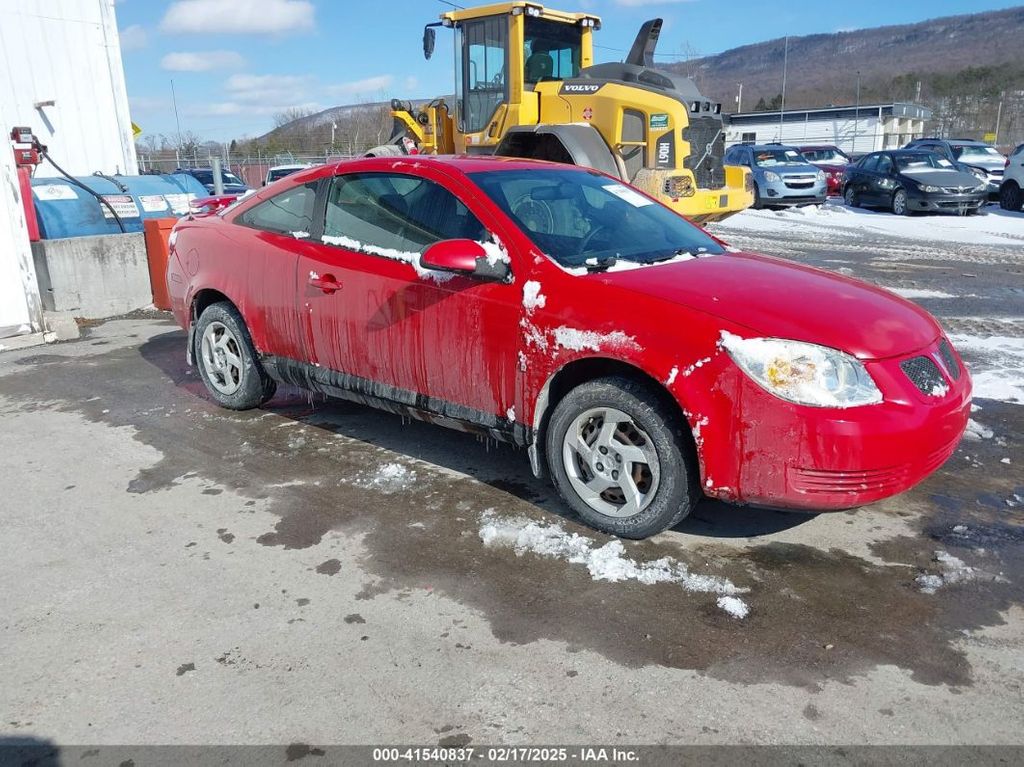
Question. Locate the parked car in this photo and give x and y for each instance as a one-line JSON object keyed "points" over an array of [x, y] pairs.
{"points": [[782, 176], [907, 181], [982, 159], [1011, 191], [281, 171], [832, 160], [504, 297], [232, 183]]}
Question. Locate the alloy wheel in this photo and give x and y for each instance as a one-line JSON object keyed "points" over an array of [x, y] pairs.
{"points": [[611, 462], [222, 358]]}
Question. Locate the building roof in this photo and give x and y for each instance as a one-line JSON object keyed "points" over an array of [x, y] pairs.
{"points": [[897, 109]]}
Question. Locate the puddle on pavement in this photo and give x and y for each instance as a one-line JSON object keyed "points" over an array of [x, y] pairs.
{"points": [[815, 615]]}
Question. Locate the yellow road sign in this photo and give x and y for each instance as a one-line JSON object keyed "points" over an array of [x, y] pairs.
{"points": [[136, 130]]}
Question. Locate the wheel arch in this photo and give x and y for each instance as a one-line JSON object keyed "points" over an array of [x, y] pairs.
{"points": [[571, 144], [580, 371], [201, 299]]}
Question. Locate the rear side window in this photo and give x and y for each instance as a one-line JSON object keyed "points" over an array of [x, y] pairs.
{"points": [[392, 214], [870, 162], [286, 213]]}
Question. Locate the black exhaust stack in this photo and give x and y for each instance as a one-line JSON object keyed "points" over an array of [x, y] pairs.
{"points": [[642, 52]]}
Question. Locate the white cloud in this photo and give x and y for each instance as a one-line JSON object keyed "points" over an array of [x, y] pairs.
{"points": [[366, 87], [638, 3], [411, 83], [201, 61], [232, 108], [254, 17], [133, 37], [268, 89]]}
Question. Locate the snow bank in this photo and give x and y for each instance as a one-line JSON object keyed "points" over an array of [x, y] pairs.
{"points": [[997, 365], [604, 563], [919, 293], [735, 606], [976, 431], [388, 478], [951, 570]]}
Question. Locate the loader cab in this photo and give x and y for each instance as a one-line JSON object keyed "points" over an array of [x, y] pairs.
{"points": [[504, 51]]}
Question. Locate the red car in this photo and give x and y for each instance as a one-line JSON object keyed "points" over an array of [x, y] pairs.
{"points": [[830, 159], [642, 362]]}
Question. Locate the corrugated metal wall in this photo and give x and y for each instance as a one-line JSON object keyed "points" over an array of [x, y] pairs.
{"points": [[67, 51]]}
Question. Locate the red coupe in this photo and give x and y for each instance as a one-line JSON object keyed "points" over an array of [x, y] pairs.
{"points": [[832, 160], [642, 362]]}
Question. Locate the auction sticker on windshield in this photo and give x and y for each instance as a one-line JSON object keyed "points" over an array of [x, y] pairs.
{"points": [[635, 199]]}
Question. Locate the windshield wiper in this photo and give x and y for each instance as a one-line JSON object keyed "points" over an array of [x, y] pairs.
{"points": [[600, 264]]}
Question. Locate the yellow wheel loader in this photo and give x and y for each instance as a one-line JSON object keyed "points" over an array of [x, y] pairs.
{"points": [[527, 86]]}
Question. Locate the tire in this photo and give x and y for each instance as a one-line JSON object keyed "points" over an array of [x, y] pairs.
{"points": [[1010, 197], [899, 204], [665, 481], [227, 360], [850, 197], [385, 150], [758, 202]]}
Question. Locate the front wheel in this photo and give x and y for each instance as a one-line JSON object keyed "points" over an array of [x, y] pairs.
{"points": [[850, 197], [899, 203], [227, 360], [621, 459]]}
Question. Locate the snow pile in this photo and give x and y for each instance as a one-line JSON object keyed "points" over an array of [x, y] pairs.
{"points": [[919, 293], [976, 431], [532, 297], [737, 608], [951, 570], [604, 563], [495, 251], [997, 365], [300, 235], [389, 478], [408, 257], [578, 340]]}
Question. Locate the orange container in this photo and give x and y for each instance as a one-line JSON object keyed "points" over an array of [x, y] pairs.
{"points": [[158, 250]]}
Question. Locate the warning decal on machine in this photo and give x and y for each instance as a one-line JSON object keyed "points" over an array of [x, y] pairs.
{"points": [[123, 204], [54, 192], [153, 203], [179, 202]]}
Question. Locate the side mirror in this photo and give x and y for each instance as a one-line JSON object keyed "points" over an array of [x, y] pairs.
{"points": [[463, 257], [429, 37]]}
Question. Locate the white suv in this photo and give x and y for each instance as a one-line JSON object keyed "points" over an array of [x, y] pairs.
{"points": [[1011, 191]]}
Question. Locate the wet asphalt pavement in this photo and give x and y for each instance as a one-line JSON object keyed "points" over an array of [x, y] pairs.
{"points": [[177, 573]]}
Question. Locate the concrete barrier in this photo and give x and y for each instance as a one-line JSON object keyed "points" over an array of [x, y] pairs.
{"points": [[93, 277]]}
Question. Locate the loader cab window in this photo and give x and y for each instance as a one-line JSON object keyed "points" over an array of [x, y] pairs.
{"points": [[483, 86], [552, 50]]}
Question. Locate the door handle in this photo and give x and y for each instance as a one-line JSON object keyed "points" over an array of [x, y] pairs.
{"points": [[328, 284]]}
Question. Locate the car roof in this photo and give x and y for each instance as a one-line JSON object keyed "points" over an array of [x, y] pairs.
{"points": [[773, 146], [461, 162]]}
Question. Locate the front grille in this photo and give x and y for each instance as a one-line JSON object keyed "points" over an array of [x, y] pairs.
{"points": [[923, 373], [952, 367], [799, 184], [702, 132], [957, 189]]}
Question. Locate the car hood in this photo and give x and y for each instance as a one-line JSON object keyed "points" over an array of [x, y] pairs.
{"points": [[777, 298], [830, 167], [943, 178], [790, 170]]}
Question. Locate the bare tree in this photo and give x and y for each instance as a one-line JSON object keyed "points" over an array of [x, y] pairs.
{"points": [[289, 115]]}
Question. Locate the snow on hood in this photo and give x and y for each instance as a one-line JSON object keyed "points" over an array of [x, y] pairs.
{"points": [[776, 298]]}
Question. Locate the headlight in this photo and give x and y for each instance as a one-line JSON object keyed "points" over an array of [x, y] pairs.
{"points": [[979, 173], [929, 188], [821, 175], [981, 188], [806, 374], [771, 177]]}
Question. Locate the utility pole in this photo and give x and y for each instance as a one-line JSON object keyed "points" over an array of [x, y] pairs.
{"points": [[739, 98], [785, 66], [856, 119], [177, 122], [334, 127], [999, 116]]}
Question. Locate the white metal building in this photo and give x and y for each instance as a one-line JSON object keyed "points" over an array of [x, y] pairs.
{"points": [[63, 77], [854, 129]]}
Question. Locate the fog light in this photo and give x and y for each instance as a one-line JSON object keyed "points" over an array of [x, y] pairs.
{"points": [[679, 186]]}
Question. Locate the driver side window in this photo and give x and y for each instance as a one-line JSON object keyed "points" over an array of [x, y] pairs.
{"points": [[885, 164]]}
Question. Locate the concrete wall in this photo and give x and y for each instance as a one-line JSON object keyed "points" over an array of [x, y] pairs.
{"points": [[20, 310], [67, 51], [94, 277]]}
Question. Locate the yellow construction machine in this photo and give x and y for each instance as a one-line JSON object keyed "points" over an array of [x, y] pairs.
{"points": [[527, 86]]}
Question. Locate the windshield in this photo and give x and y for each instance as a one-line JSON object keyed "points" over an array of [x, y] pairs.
{"points": [[206, 177], [581, 218], [922, 161], [977, 151], [769, 158], [829, 155]]}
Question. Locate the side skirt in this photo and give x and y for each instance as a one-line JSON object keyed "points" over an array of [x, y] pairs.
{"points": [[393, 399]]}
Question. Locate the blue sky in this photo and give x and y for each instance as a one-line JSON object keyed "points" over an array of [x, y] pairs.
{"points": [[237, 62]]}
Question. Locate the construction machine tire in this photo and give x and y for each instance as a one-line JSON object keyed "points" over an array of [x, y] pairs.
{"points": [[385, 150]]}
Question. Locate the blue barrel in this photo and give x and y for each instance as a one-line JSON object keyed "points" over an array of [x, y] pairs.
{"points": [[65, 210]]}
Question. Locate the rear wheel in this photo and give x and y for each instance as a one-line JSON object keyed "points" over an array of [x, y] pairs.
{"points": [[899, 203], [1010, 197], [620, 458], [227, 360], [850, 197]]}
